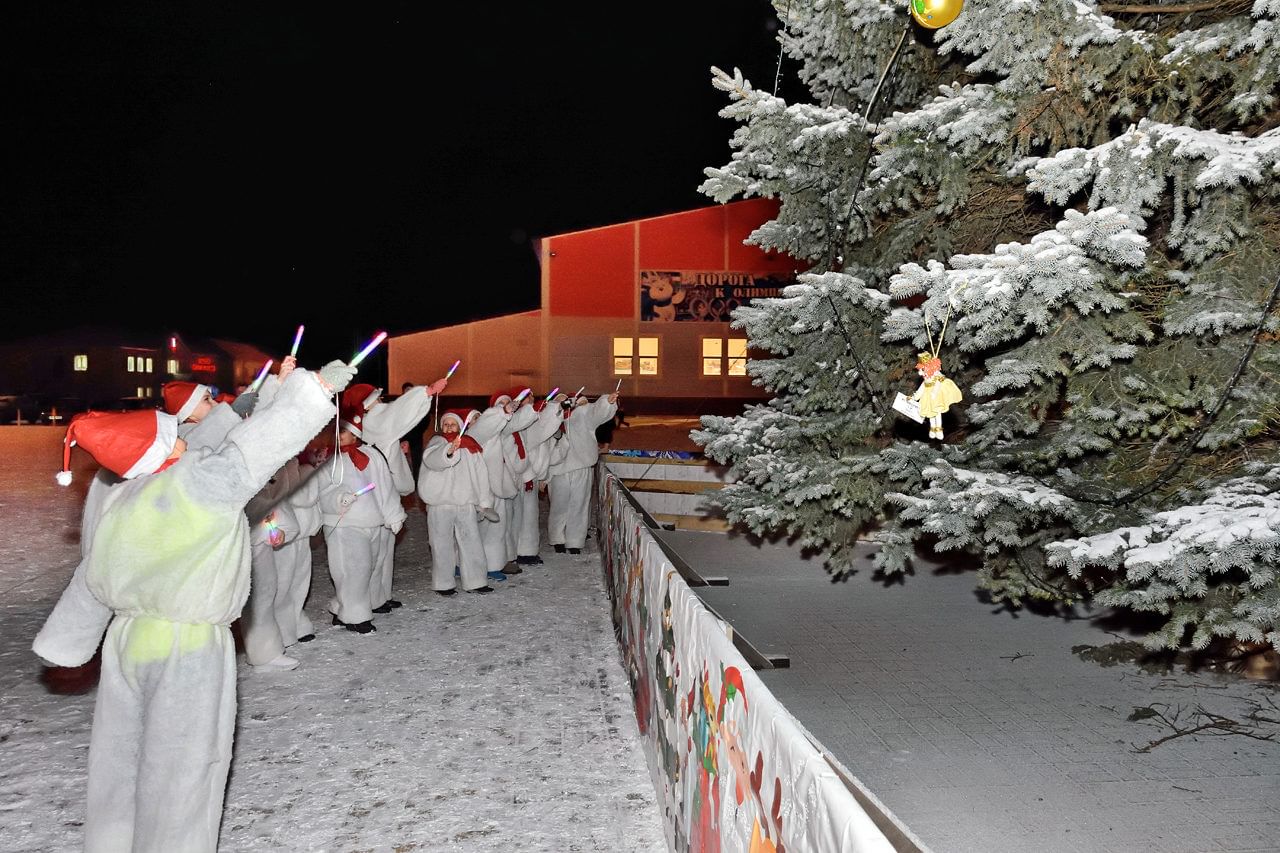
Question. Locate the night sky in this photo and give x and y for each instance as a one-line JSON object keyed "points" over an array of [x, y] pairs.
{"points": [[215, 167]]}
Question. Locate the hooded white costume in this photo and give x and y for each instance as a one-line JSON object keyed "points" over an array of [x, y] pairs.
{"points": [[383, 425], [537, 440], [571, 471], [353, 526], [451, 486], [170, 558], [506, 465]]}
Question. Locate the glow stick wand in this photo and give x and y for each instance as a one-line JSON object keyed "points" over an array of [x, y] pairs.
{"points": [[617, 387], [262, 374], [554, 391], [362, 490], [297, 339], [359, 357], [521, 396], [449, 374], [579, 393]]}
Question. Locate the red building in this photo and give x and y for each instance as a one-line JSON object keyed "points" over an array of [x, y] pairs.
{"points": [[646, 302]]}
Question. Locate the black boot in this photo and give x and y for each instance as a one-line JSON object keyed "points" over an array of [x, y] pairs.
{"points": [[482, 589], [512, 569], [393, 604], [383, 608], [559, 548], [446, 592], [306, 638], [361, 627], [575, 550]]}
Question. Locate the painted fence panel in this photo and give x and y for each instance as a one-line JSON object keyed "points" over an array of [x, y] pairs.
{"points": [[732, 768]]}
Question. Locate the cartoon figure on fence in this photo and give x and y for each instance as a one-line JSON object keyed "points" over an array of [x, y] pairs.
{"points": [[667, 676], [698, 711], [936, 393], [766, 827], [636, 615]]}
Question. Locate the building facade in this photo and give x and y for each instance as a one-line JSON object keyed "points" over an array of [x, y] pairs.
{"points": [[642, 306], [47, 378]]}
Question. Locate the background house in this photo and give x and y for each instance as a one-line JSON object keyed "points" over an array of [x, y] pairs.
{"points": [[49, 377]]}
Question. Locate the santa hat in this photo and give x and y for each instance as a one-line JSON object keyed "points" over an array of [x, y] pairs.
{"points": [[458, 415], [360, 397], [128, 443], [224, 397], [501, 398], [352, 420], [356, 402], [181, 398]]}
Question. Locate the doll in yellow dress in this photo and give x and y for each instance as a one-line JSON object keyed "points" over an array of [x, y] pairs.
{"points": [[936, 393]]}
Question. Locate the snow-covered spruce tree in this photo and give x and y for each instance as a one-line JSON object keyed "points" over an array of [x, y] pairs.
{"points": [[1079, 205]]}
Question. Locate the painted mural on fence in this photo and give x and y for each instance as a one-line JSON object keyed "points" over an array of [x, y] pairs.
{"points": [[732, 770], [703, 296]]}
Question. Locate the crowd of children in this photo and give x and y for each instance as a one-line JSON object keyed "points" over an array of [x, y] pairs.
{"points": [[202, 514]]}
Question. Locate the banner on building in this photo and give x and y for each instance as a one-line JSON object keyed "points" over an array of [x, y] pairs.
{"points": [[706, 297]]}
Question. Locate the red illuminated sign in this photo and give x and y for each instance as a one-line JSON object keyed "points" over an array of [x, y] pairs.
{"points": [[204, 364]]}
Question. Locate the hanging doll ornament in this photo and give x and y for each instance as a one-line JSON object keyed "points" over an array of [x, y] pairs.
{"points": [[936, 393]]}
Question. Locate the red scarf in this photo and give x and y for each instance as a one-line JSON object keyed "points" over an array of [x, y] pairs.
{"points": [[468, 443], [528, 484], [358, 457]]}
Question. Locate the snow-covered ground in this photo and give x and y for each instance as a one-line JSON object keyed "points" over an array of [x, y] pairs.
{"points": [[499, 722]]}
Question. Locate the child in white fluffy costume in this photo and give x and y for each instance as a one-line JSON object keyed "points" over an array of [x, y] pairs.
{"points": [[170, 559]]}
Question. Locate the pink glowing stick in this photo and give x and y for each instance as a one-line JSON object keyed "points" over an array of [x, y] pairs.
{"points": [[297, 340], [617, 387], [262, 374], [554, 392], [579, 394], [359, 357], [449, 375], [365, 489], [521, 396]]}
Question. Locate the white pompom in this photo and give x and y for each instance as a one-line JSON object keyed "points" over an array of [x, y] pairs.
{"points": [[63, 478]]}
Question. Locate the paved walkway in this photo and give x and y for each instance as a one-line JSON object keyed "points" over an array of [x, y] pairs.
{"points": [[982, 730]]}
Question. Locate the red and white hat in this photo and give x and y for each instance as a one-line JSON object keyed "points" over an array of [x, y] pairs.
{"points": [[457, 415], [181, 398], [356, 402], [500, 398], [128, 443], [360, 396]]}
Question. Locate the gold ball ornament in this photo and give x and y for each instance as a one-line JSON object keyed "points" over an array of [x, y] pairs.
{"points": [[935, 14]]}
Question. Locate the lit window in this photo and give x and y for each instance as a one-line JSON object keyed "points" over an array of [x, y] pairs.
{"points": [[140, 392], [622, 352], [711, 352], [150, 391], [150, 369], [737, 356], [80, 362], [648, 349], [129, 364], [172, 366]]}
